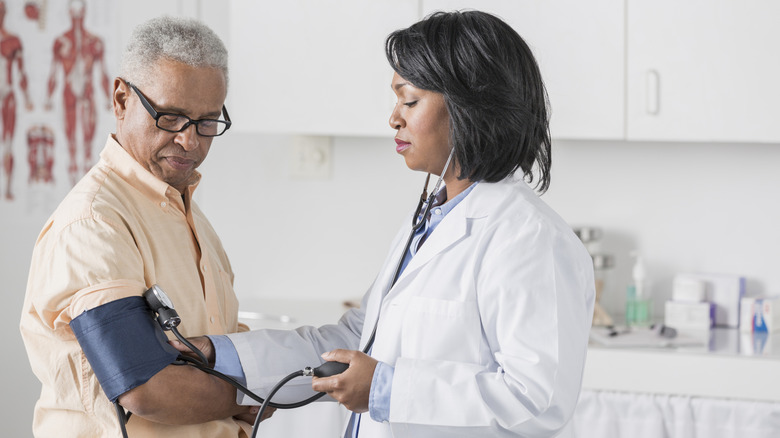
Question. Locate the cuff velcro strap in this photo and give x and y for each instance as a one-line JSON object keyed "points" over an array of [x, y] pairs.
{"points": [[123, 343]]}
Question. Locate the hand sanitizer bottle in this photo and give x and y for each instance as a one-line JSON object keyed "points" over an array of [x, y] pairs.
{"points": [[638, 301]]}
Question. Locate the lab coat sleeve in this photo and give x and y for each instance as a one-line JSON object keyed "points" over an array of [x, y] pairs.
{"points": [[267, 356], [534, 292]]}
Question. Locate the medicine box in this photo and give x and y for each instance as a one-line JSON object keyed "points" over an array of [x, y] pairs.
{"points": [[688, 289], [725, 291], [760, 314], [689, 316]]}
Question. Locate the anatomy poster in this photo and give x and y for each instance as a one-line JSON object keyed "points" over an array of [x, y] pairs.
{"points": [[58, 60]]}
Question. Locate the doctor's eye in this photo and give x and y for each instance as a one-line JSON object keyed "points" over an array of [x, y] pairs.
{"points": [[411, 104]]}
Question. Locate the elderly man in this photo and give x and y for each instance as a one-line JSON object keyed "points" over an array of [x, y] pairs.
{"points": [[130, 223]]}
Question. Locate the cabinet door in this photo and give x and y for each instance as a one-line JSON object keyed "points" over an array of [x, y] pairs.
{"points": [[313, 67], [704, 70], [580, 50]]}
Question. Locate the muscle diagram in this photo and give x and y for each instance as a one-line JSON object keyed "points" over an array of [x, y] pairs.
{"points": [[10, 61], [40, 154], [79, 54]]}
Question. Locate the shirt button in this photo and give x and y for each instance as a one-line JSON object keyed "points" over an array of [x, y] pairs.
{"points": [[163, 204], [212, 320], [437, 211], [204, 268]]}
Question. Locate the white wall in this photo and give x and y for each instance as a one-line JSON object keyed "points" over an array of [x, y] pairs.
{"points": [[706, 208], [685, 207]]}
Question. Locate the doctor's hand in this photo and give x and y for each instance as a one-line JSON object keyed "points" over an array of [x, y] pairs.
{"points": [[352, 387], [202, 343]]}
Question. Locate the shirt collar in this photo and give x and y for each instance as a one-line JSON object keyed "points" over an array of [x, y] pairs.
{"points": [[451, 203], [121, 162]]}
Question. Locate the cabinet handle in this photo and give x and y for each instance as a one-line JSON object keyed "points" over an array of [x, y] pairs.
{"points": [[653, 90]]}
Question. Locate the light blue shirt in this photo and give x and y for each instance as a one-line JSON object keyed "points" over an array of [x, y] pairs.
{"points": [[228, 362]]}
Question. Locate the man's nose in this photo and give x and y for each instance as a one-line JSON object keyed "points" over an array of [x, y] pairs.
{"points": [[189, 138]]}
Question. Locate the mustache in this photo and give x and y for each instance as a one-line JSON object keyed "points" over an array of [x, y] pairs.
{"points": [[179, 152]]}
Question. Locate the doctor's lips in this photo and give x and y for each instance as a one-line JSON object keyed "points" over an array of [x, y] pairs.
{"points": [[401, 145]]}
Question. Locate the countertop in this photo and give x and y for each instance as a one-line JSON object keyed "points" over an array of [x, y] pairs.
{"points": [[729, 364]]}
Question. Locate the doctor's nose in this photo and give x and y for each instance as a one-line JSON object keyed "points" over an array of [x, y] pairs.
{"points": [[396, 121]]}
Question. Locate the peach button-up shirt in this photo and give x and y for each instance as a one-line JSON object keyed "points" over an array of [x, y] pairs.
{"points": [[119, 231]]}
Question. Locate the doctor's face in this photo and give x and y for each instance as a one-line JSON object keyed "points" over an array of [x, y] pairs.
{"points": [[422, 122]]}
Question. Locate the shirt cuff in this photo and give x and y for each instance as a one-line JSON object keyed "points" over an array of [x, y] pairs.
{"points": [[379, 395], [227, 361]]}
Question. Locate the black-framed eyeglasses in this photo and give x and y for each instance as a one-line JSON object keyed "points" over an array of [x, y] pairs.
{"points": [[177, 122]]}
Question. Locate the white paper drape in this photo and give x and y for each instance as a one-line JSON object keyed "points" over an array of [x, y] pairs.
{"points": [[603, 414]]}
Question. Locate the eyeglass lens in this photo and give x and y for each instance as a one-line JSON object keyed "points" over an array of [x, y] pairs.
{"points": [[206, 127]]}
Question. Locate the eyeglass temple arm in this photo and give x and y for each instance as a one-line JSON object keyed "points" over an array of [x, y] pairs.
{"points": [[224, 111]]}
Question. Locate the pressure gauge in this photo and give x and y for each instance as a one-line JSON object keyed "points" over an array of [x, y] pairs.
{"points": [[163, 306], [157, 298]]}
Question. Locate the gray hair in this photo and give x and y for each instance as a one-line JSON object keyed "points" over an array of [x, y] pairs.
{"points": [[179, 39]]}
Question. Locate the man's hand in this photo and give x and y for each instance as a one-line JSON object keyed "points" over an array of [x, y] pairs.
{"points": [[202, 343], [251, 414], [352, 387]]}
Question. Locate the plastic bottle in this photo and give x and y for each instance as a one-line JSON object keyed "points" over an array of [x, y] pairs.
{"points": [[639, 304]]}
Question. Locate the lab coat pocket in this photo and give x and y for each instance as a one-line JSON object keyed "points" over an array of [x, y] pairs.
{"points": [[437, 329]]}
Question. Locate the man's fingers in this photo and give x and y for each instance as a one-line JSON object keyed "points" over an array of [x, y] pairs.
{"points": [[179, 346]]}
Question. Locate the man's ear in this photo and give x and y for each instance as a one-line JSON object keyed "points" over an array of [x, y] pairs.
{"points": [[119, 97]]}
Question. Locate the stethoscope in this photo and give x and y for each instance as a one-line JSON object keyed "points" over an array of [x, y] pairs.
{"points": [[418, 220]]}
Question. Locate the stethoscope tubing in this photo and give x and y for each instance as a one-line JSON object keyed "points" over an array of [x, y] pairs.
{"points": [[417, 222]]}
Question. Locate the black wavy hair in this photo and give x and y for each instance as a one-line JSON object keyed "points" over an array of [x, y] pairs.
{"points": [[492, 86]]}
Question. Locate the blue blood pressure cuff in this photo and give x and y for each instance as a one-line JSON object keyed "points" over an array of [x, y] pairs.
{"points": [[123, 343]]}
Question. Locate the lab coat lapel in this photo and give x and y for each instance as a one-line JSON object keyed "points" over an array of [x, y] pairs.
{"points": [[483, 200], [381, 285], [453, 228]]}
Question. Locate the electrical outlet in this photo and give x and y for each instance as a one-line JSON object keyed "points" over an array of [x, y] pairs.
{"points": [[311, 157]]}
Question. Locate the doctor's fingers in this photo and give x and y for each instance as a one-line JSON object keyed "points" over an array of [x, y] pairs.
{"points": [[352, 387], [345, 390], [341, 355]]}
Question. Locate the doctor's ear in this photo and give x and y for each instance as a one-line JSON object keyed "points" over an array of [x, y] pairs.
{"points": [[119, 97]]}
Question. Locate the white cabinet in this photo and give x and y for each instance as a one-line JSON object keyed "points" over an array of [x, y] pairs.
{"points": [[698, 70], [319, 67], [703, 70], [580, 50], [313, 67]]}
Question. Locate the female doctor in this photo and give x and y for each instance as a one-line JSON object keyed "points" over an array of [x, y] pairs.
{"points": [[484, 330]]}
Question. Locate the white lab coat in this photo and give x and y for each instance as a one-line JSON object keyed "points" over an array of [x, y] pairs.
{"points": [[487, 327]]}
